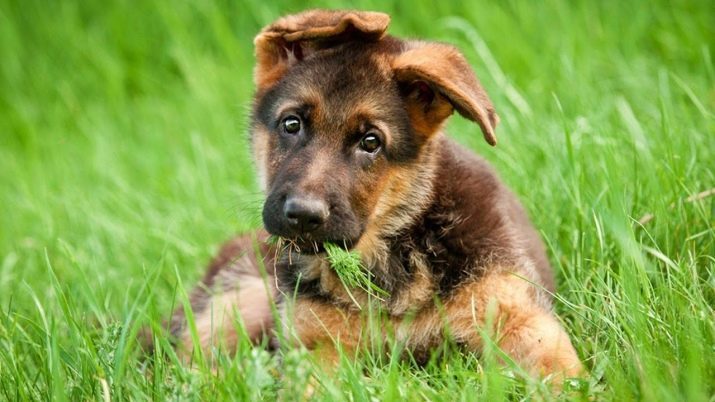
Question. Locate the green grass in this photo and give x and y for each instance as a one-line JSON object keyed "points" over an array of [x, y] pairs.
{"points": [[124, 163]]}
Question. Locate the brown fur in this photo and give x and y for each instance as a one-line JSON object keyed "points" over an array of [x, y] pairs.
{"points": [[432, 222]]}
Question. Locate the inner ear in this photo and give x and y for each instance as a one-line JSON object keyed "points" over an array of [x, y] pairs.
{"points": [[426, 107], [423, 92], [296, 50], [419, 92]]}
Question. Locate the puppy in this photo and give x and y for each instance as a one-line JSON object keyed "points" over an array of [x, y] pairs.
{"points": [[347, 137]]}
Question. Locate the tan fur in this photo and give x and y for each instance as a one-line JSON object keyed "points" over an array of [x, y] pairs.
{"points": [[216, 324], [524, 327], [324, 328], [419, 292], [260, 155]]}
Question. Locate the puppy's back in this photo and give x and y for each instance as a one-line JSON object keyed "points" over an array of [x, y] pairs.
{"points": [[499, 223]]}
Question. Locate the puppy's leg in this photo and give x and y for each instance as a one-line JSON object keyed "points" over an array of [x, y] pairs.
{"points": [[536, 340], [327, 331], [217, 313], [233, 290], [316, 326], [321, 326], [521, 321]]}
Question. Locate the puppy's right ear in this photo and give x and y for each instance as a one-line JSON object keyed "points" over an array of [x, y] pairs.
{"points": [[437, 80], [294, 37]]}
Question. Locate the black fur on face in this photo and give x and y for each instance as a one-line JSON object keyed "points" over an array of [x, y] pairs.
{"points": [[330, 130]]}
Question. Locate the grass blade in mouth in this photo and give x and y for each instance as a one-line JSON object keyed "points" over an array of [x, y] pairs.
{"points": [[348, 266]]}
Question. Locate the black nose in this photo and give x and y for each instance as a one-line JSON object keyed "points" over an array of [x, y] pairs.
{"points": [[305, 214]]}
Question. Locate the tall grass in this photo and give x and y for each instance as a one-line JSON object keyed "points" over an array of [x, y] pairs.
{"points": [[123, 163]]}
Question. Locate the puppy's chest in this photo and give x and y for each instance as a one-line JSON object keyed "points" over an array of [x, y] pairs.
{"points": [[413, 270]]}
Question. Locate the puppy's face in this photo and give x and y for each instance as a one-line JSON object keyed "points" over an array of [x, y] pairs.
{"points": [[340, 111], [329, 134]]}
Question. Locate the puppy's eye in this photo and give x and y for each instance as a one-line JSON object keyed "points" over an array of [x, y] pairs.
{"points": [[291, 124], [370, 143]]}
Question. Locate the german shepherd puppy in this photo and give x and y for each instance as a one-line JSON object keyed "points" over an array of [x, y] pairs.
{"points": [[347, 138]]}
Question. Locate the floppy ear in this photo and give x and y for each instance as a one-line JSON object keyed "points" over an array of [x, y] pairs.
{"points": [[436, 79], [292, 38]]}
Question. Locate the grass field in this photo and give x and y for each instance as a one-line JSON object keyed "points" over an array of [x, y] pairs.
{"points": [[124, 164]]}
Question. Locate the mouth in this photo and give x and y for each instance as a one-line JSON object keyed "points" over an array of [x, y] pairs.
{"points": [[305, 246]]}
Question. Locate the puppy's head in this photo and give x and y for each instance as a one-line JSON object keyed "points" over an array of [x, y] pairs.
{"points": [[343, 121]]}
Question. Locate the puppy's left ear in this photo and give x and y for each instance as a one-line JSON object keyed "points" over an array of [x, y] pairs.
{"points": [[292, 38], [437, 79]]}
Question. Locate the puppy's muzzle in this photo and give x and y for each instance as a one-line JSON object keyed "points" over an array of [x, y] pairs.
{"points": [[305, 214]]}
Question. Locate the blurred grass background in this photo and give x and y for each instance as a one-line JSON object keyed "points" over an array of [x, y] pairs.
{"points": [[124, 163]]}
